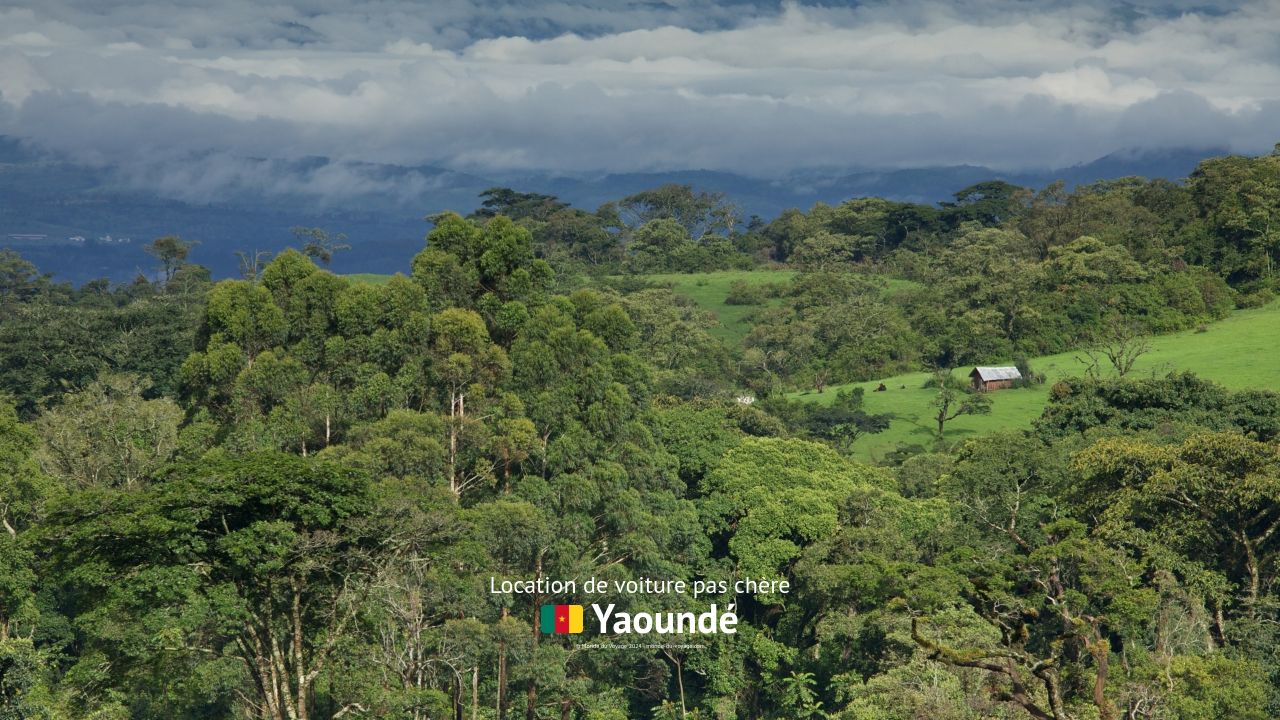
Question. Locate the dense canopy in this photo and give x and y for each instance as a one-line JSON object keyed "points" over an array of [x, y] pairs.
{"points": [[288, 495]]}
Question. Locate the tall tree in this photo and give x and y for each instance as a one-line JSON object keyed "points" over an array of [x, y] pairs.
{"points": [[991, 203], [698, 212], [23, 492], [1239, 198], [171, 251], [468, 366], [108, 435], [256, 563], [19, 279], [1212, 498], [318, 244], [517, 205]]}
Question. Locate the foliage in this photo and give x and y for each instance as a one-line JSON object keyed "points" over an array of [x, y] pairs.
{"points": [[108, 435], [285, 496], [171, 251], [952, 402], [1159, 403], [255, 563], [318, 244], [58, 339]]}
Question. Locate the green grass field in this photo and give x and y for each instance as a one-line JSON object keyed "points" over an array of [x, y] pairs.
{"points": [[369, 278], [709, 290], [1242, 351]]}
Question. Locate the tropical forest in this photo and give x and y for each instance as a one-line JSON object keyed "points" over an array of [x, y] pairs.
{"points": [[290, 494]]}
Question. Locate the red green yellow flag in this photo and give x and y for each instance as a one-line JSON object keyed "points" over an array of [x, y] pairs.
{"points": [[560, 619]]}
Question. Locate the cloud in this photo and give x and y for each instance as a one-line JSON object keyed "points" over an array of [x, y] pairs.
{"points": [[752, 87]]}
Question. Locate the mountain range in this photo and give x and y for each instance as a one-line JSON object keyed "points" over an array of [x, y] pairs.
{"points": [[81, 220]]}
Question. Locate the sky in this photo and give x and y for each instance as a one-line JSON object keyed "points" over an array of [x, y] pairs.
{"points": [[759, 88]]}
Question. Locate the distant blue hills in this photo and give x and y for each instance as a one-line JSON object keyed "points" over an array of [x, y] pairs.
{"points": [[48, 203]]}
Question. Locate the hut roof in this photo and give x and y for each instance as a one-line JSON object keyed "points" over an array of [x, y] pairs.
{"points": [[996, 373]]}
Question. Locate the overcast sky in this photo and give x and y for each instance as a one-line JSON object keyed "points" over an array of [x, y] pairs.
{"points": [[755, 87]]}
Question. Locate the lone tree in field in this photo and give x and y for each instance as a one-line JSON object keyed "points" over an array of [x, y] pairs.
{"points": [[952, 402], [1122, 342]]}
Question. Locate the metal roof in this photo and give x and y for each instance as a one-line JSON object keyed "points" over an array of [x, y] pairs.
{"points": [[997, 373]]}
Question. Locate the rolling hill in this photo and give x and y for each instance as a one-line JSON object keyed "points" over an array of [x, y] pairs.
{"points": [[1238, 352]]}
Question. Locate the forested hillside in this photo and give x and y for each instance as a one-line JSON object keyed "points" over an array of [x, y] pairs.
{"points": [[287, 495]]}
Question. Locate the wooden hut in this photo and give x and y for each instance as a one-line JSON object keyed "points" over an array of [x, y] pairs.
{"points": [[986, 379]]}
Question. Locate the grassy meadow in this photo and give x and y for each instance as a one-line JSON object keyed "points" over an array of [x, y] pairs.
{"points": [[1242, 351], [369, 278], [709, 290]]}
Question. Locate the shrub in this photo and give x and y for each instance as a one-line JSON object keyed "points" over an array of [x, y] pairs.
{"points": [[1030, 378], [743, 293], [952, 380], [1255, 299]]}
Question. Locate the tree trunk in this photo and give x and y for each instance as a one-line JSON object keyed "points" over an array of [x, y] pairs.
{"points": [[298, 661], [1251, 567], [457, 413], [502, 674], [262, 668], [1219, 624], [531, 694], [680, 684], [457, 696], [1100, 649]]}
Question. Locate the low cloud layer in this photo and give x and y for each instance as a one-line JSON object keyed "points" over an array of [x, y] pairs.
{"points": [[749, 87]]}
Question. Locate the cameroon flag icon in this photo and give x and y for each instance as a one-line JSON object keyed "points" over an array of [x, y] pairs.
{"points": [[560, 619]]}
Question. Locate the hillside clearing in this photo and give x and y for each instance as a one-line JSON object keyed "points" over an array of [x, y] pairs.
{"points": [[1242, 351], [709, 290]]}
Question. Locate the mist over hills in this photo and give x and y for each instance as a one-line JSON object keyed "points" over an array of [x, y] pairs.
{"points": [[82, 221]]}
